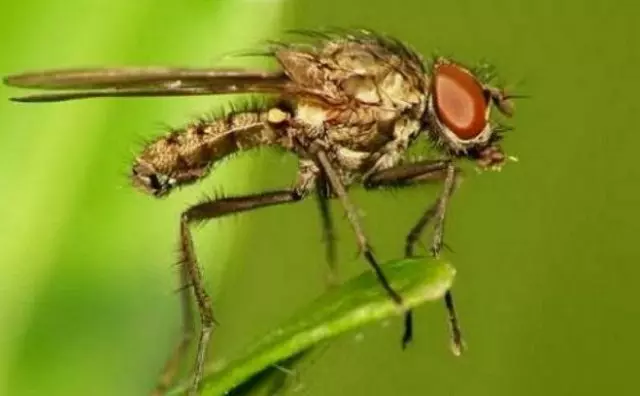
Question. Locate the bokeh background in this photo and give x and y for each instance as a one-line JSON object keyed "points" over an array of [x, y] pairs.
{"points": [[546, 250]]}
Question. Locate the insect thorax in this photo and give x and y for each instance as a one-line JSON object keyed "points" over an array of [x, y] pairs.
{"points": [[358, 139]]}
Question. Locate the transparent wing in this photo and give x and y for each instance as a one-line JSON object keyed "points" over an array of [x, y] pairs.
{"points": [[85, 83]]}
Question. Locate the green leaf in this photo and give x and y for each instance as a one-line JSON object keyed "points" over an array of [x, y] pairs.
{"points": [[277, 378], [359, 301]]}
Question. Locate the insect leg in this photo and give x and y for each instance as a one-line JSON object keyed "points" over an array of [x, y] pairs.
{"points": [[352, 215], [202, 212], [420, 172], [171, 366], [328, 231]]}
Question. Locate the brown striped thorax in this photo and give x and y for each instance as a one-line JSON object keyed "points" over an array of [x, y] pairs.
{"points": [[363, 96]]}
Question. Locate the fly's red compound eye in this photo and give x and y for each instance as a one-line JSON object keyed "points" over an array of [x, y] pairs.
{"points": [[459, 101]]}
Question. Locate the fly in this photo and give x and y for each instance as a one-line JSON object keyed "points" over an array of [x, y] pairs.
{"points": [[347, 103]]}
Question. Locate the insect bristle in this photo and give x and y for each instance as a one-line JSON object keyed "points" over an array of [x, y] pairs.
{"points": [[499, 129], [484, 71], [311, 33]]}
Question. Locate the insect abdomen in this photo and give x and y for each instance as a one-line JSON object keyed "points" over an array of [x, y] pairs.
{"points": [[187, 154]]}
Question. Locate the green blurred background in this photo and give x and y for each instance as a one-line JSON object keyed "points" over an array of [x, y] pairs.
{"points": [[546, 250]]}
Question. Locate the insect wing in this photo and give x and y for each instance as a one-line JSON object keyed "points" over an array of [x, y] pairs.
{"points": [[143, 81]]}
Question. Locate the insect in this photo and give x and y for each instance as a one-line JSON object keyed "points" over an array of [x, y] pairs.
{"points": [[347, 103]]}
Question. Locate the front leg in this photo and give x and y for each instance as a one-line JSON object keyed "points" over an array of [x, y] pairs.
{"points": [[414, 173]]}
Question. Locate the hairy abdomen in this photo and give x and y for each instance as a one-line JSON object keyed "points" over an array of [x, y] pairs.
{"points": [[187, 154]]}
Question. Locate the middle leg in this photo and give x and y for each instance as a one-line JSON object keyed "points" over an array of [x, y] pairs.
{"points": [[340, 191], [328, 230]]}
